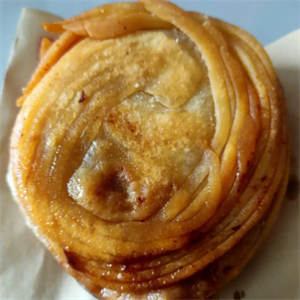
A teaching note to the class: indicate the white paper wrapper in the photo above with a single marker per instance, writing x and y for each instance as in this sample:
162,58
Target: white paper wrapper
28,270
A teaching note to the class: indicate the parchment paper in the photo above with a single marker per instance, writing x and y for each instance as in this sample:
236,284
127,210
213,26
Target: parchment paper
28,271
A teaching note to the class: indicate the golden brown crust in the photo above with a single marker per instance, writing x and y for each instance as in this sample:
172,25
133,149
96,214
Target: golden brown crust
151,162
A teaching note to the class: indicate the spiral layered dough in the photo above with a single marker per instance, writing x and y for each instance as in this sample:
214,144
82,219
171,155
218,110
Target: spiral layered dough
151,153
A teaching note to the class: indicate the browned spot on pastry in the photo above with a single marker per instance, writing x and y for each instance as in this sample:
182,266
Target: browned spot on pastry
236,227
263,178
82,97
292,191
141,199
115,181
114,188
196,237
74,261
131,127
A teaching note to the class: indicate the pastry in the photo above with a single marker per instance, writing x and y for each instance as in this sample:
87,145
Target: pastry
150,154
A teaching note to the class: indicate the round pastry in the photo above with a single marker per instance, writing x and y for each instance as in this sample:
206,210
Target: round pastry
151,153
